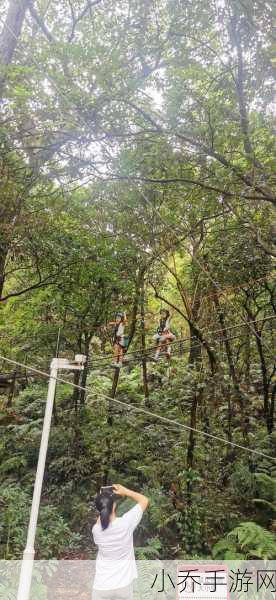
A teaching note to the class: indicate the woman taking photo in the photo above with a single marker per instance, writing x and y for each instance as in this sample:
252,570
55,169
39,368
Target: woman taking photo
115,564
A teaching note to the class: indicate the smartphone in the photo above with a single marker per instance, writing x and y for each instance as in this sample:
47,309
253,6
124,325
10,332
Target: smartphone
106,489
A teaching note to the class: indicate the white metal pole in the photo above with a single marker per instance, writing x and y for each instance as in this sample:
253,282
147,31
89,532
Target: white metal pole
29,552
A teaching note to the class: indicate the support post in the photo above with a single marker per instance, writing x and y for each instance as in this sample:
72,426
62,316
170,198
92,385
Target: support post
29,552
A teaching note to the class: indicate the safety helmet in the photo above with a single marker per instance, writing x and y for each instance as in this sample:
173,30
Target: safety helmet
120,314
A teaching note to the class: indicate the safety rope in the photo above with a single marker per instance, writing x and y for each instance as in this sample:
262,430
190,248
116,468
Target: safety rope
188,339
139,409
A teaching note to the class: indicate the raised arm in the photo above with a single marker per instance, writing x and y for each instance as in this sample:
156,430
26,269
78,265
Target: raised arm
110,323
142,500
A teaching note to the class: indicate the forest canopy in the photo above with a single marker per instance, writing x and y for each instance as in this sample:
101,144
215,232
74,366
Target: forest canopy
137,173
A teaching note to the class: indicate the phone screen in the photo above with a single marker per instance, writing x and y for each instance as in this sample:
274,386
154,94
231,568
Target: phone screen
106,489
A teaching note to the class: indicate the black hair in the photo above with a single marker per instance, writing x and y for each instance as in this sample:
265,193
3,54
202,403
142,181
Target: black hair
104,504
165,311
121,315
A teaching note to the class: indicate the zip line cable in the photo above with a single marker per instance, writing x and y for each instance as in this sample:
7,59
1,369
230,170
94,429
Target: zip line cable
268,318
149,348
102,366
158,212
97,360
139,409
188,339
246,323
96,329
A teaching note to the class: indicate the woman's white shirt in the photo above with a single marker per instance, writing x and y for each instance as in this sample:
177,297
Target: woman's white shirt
115,563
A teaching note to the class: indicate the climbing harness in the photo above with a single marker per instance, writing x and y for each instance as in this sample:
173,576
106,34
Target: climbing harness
119,340
163,337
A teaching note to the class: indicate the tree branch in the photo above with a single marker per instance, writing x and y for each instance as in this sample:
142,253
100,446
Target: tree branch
11,32
81,15
12,29
171,180
266,193
265,247
42,25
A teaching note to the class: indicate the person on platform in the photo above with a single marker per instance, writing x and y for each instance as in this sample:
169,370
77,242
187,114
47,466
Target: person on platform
164,336
118,339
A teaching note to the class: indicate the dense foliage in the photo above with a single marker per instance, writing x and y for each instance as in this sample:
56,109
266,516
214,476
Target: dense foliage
136,171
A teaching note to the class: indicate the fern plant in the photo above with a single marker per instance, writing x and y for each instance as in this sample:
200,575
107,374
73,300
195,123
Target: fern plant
14,512
150,551
247,541
266,489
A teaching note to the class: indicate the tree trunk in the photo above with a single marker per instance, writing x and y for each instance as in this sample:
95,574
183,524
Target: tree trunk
194,360
83,381
84,373
3,258
229,416
229,354
195,347
247,357
268,407
11,32
143,341
12,389
191,443
272,409
76,391
264,375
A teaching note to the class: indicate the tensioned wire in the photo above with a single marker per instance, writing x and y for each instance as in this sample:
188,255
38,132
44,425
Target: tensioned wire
149,348
164,419
230,288
103,367
183,340
98,361
167,225
150,203
139,409
94,364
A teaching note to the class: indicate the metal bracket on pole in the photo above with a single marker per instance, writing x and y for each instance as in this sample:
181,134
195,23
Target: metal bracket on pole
29,552
69,365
